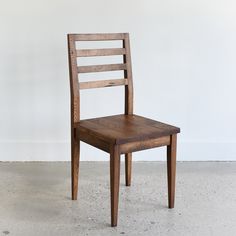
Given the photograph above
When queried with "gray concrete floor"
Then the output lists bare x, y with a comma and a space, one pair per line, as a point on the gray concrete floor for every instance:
35, 200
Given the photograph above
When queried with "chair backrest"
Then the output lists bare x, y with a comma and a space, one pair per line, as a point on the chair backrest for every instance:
75, 69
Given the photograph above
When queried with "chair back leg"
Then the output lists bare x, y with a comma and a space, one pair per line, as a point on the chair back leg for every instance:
171, 169
128, 168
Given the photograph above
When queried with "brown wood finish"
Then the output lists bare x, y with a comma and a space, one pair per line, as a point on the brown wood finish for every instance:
103, 83
144, 144
128, 75
75, 156
75, 115
123, 129
98, 37
74, 85
128, 103
171, 169
101, 68
114, 182
118, 134
100, 52
94, 141
128, 168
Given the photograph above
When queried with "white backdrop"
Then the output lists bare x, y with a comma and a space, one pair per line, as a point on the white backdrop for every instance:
183, 55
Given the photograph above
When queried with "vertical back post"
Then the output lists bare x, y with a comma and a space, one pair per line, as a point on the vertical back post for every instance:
74, 84
75, 115
128, 75
128, 102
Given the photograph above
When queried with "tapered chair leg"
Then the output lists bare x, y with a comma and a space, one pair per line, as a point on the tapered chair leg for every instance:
171, 170
114, 183
75, 155
128, 168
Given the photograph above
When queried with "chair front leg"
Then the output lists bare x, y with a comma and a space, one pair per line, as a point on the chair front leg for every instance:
128, 168
114, 182
75, 158
171, 169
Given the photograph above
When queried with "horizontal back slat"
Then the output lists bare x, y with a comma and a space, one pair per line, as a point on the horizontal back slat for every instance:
102, 83
99, 37
101, 68
100, 52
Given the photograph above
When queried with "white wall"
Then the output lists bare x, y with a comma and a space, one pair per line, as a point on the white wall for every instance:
183, 54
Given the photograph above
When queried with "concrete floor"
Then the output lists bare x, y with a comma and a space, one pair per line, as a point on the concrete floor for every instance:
35, 200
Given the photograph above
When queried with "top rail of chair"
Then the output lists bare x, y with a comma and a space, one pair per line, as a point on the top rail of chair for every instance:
99, 37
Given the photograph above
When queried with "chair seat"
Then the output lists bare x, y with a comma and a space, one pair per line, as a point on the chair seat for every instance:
120, 129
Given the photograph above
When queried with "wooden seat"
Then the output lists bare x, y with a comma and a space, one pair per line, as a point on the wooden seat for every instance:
118, 134
120, 129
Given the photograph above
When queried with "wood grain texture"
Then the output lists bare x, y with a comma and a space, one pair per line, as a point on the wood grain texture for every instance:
101, 68
120, 129
128, 103
128, 168
144, 144
75, 115
128, 74
102, 83
171, 170
114, 182
92, 139
75, 158
99, 37
74, 85
100, 52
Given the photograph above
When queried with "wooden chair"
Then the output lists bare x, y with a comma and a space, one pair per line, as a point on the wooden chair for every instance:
118, 134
